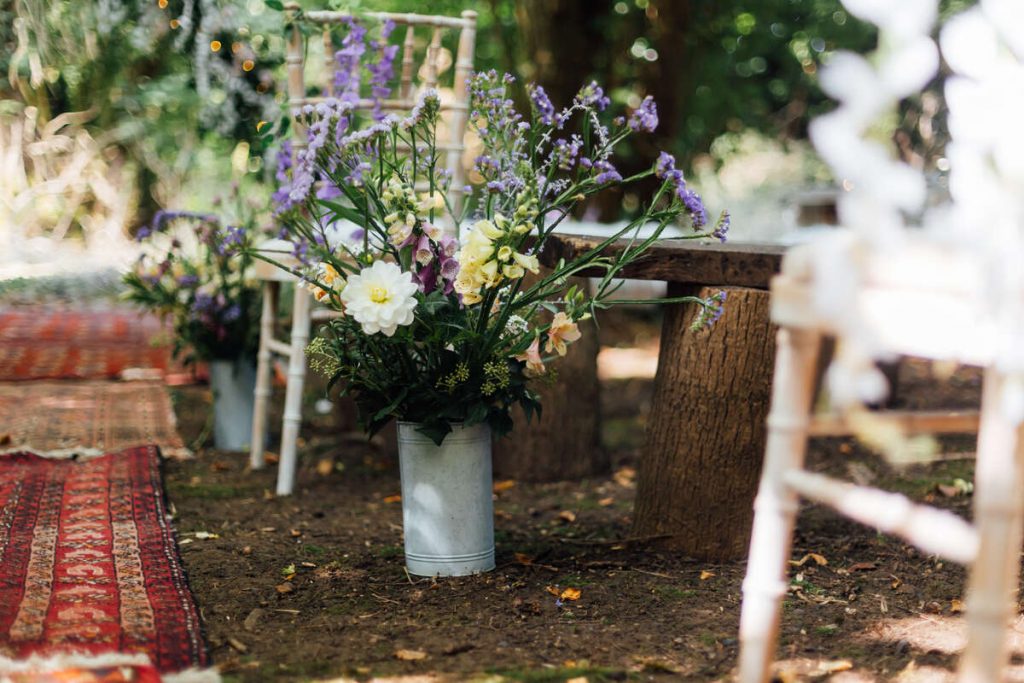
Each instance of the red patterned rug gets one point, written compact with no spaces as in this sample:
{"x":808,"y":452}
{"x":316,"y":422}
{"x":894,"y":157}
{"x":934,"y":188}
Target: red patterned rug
{"x":88,"y":561}
{"x":62,"y":343}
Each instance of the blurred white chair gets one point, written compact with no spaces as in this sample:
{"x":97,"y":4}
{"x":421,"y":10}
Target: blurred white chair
{"x":920,"y":301}
{"x":454,"y":112}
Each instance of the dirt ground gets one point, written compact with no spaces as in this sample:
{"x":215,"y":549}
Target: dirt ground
{"x":313,"y":586}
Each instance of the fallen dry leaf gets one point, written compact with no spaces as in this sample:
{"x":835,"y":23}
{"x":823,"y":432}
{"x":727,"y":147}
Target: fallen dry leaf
{"x":625,"y":477}
{"x":956,"y":606}
{"x":504,"y":485}
{"x":567,"y":516}
{"x":605,"y":502}
{"x":285,"y":587}
{"x":705,"y":574}
{"x":271,"y":458}
{"x":564,"y":593}
{"x":393,"y":499}
{"x":571,"y":594}
{"x":523,"y":558}
{"x":238,"y":645}
{"x":410,"y":655}
{"x":818,"y":560}
{"x":324,"y":466}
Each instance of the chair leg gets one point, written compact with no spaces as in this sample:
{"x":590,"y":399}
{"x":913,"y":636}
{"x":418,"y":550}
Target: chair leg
{"x":776,"y":506}
{"x":264,"y":363}
{"x":999,"y":480}
{"x":293,"y":394}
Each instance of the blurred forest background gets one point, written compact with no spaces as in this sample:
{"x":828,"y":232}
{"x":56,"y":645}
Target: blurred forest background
{"x":111,"y":109}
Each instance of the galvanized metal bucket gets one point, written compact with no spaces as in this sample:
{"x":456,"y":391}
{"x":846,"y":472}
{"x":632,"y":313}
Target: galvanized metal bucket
{"x":447,"y":506}
{"x":233,"y":384}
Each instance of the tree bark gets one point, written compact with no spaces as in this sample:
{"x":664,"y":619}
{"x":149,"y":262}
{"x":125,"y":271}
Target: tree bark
{"x":705,"y":441}
{"x":565,"y":442}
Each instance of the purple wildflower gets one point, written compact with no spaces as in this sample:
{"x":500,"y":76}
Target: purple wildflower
{"x":722,"y":226}
{"x":645,"y":117}
{"x":592,"y":95}
{"x":606,"y":173}
{"x":694,"y":205}
{"x":711,"y":311}
{"x":541,"y":104}
{"x":347,"y":74}
{"x":664,"y":165}
{"x":383,"y":70}
{"x":188,"y":280}
{"x":564,"y":152}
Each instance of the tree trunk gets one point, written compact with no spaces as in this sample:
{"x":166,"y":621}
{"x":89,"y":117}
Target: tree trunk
{"x":705,"y":441}
{"x":565,"y":442}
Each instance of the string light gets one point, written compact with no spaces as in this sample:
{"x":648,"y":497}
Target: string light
{"x":215,"y":46}
{"x":248,"y":65}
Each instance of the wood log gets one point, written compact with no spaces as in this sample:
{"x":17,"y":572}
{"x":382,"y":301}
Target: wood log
{"x":706,"y":436}
{"x":565,"y":442}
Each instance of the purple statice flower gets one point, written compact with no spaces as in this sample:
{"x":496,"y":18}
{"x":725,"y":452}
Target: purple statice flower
{"x":283,"y":174}
{"x":694,"y":205}
{"x":564,"y":152}
{"x":665,"y":167}
{"x":327,"y":190}
{"x":586,"y":164}
{"x":606,"y":173}
{"x":711,"y":311}
{"x":232,"y":313}
{"x":645,"y":117}
{"x":188,"y":280}
{"x":383,"y":70}
{"x":541,"y":104}
{"x":722,"y":226}
{"x":425,"y":109}
{"x":665,"y":164}
{"x":232,"y":239}
{"x":347,"y":73}
{"x":592,"y":96}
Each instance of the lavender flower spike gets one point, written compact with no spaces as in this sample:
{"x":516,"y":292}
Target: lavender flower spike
{"x":606,"y":173}
{"x":722,"y":226}
{"x":541,"y":104}
{"x":645,"y":118}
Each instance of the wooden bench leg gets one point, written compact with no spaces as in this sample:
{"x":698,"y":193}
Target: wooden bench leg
{"x":705,"y":436}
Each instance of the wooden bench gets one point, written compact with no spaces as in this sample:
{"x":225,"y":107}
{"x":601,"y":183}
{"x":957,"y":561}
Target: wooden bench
{"x":706,"y":431}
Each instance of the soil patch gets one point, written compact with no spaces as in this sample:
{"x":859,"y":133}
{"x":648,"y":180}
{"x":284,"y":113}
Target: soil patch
{"x":313,"y":585}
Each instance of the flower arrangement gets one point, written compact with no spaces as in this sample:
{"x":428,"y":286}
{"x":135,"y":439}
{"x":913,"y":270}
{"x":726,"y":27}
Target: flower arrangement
{"x":447,"y":316}
{"x":188,"y":272}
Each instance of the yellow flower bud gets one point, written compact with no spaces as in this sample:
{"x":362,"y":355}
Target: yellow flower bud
{"x":530,"y":263}
{"x":513,"y":271}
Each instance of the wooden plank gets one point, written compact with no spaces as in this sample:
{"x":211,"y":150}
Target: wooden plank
{"x":684,"y":261}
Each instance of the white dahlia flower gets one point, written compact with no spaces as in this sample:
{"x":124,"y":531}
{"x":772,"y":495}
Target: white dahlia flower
{"x":380,"y":298}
